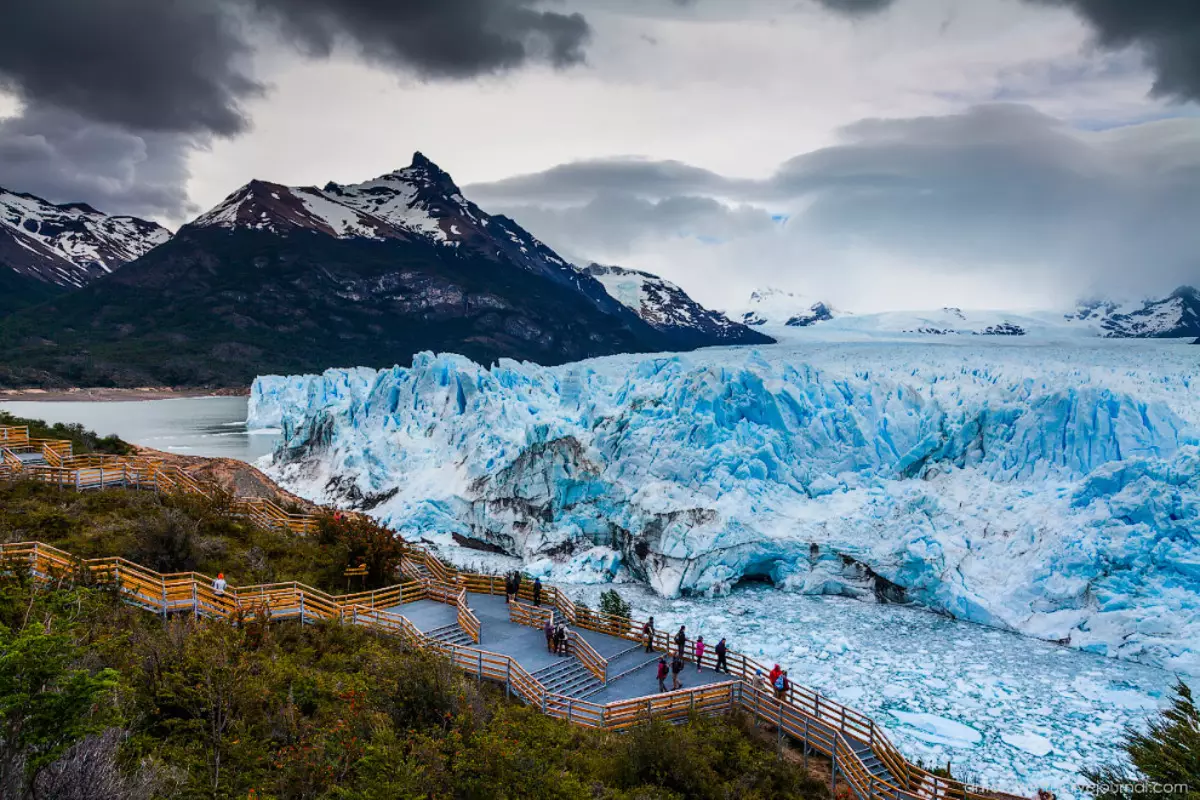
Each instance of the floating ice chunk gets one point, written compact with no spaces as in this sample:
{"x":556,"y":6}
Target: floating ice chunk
{"x":1029,"y":742}
{"x":939,"y":730}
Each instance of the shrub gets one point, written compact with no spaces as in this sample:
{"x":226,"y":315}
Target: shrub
{"x":1168,"y":753}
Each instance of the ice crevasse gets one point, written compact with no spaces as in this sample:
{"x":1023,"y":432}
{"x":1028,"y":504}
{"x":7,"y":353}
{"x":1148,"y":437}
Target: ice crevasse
{"x":1064,"y":505}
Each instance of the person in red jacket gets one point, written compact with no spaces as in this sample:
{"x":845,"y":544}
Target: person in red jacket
{"x":663,"y":670}
{"x":773,"y":675}
{"x":699,"y":651}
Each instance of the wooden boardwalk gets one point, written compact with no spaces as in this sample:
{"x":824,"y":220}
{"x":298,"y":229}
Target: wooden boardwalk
{"x":605,"y":681}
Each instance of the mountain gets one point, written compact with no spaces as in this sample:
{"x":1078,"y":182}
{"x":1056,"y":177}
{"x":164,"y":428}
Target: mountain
{"x":1176,"y":315}
{"x":296,"y":279}
{"x":774,"y":307}
{"x":69,"y":245}
{"x":669,"y":309}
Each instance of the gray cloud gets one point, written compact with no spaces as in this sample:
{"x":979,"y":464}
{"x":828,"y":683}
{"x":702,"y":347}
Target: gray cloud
{"x":64,"y":157}
{"x":1168,"y":30}
{"x":116,"y":93}
{"x":999,"y":190}
{"x":164,"y":65}
{"x":856,"y":6}
{"x":435,"y":38}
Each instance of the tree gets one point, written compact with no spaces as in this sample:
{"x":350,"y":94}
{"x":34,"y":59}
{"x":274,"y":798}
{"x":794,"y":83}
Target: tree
{"x":616,"y":609}
{"x":45,"y":705}
{"x":1168,"y":753}
{"x":363,"y":541}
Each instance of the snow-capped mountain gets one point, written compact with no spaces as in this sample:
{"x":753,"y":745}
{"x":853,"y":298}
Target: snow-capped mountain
{"x":1176,"y":315}
{"x":69,"y":245}
{"x":774,"y":307}
{"x":667,"y":307}
{"x":279,"y":278}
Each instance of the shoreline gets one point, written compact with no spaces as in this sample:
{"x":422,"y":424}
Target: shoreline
{"x":110,"y":395}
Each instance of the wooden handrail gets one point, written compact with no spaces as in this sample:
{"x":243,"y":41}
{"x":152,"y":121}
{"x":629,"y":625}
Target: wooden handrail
{"x":587,"y":655}
{"x":466,"y":619}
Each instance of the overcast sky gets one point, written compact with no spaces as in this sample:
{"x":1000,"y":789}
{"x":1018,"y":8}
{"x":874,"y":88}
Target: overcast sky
{"x":871,"y":153}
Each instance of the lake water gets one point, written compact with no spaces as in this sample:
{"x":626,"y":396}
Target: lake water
{"x":193,"y":426}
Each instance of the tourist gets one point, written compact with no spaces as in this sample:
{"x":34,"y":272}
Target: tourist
{"x":219,"y":584}
{"x":663,"y":670}
{"x":782,"y":685}
{"x":517,"y":585}
{"x":680,"y":641}
{"x":774,"y":674}
{"x":648,"y":634}
{"x":537,"y":591}
{"x":676,"y":668}
{"x":699,"y":651}
{"x":564,"y":639}
{"x":549,"y":631}
{"x":508,"y":588}
{"x":720,"y":650}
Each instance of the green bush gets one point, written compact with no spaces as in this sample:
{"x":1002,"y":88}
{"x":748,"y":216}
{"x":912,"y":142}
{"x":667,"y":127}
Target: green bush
{"x":196,"y":709}
{"x":1167,"y":753}
{"x":82,"y":440}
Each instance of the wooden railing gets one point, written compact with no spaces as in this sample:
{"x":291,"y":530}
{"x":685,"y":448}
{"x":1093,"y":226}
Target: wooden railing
{"x":466,"y":619}
{"x":804,"y":711}
{"x":592,"y":661}
{"x":533,"y":616}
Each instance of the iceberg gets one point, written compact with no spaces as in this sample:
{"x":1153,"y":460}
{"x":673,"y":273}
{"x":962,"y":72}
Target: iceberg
{"x":1004,"y":485}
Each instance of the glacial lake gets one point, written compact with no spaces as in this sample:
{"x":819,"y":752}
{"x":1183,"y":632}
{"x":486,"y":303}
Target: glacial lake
{"x":192,"y":426}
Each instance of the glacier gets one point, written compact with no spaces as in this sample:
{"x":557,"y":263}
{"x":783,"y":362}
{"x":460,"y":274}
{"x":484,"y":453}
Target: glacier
{"x":1051,"y":489}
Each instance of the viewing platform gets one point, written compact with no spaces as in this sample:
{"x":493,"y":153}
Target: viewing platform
{"x":605,"y":680}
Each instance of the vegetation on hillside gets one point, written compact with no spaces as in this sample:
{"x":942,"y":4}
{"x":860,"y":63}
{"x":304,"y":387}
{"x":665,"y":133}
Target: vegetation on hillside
{"x":131,"y":706}
{"x":82,"y":439}
{"x":1162,"y":759}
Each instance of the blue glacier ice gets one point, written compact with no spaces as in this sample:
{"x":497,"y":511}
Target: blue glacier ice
{"x":1050,"y":491}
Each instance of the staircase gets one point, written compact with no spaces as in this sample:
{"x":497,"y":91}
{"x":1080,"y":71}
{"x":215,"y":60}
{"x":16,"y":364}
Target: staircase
{"x":870,"y":761}
{"x":628,"y":661}
{"x":568,"y":677}
{"x":451,"y":634}
{"x":412,"y":568}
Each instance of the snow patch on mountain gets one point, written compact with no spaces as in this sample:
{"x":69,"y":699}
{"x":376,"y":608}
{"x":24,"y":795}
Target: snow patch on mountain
{"x":1002,"y":484}
{"x":1174,"y":316}
{"x":72,"y":243}
{"x":773,"y":308}
{"x":663,"y":304}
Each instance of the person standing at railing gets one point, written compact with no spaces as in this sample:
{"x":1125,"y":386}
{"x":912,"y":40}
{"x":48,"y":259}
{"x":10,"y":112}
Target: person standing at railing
{"x":782,"y":684}
{"x":699,"y":651}
{"x":676,"y":668}
{"x":648,"y":634}
{"x":548,"y":629}
{"x":218,"y":585}
{"x":508,"y":588}
{"x":516,"y":586}
{"x":680,"y":641}
{"x":663,"y":671}
{"x":721,"y":650}
{"x":537,"y":591}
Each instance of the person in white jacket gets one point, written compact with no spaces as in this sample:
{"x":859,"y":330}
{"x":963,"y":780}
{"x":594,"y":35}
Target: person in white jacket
{"x":219,"y":584}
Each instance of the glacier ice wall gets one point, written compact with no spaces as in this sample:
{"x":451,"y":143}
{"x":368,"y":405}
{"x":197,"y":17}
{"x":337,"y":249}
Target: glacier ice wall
{"x":1000,"y":486}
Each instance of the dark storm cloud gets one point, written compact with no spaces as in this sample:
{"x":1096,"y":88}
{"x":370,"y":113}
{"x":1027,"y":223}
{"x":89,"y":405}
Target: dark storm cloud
{"x":164,"y":65}
{"x":1168,"y":30}
{"x":855,"y":6}
{"x":64,"y":157}
{"x":115,"y":94}
{"x":998,"y":188}
{"x":435,"y":38}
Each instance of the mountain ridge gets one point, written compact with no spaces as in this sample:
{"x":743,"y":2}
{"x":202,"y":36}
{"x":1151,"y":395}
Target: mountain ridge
{"x":295,"y":279}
